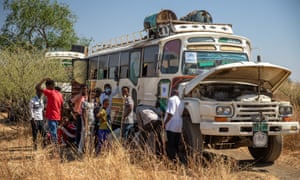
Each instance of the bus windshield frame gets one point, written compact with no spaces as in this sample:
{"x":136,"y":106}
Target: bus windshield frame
{"x":195,"y":62}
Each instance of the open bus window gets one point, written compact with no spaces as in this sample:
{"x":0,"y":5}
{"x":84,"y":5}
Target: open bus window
{"x":105,"y":74}
{"x":149,"y":70}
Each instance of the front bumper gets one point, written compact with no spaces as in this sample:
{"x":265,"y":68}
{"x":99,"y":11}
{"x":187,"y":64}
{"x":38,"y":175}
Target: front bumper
{"x":246,"y":128}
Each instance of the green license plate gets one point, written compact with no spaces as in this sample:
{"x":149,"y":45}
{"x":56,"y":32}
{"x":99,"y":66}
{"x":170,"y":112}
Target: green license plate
{"x":260,"y":126}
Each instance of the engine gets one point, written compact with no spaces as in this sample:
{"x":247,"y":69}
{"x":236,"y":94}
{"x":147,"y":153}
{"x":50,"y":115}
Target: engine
{"x":230,"y":92}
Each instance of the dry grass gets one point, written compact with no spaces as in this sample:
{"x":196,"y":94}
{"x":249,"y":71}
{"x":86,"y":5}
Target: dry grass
{"x":292,"y":142}
{"x":116,"y":163}
{"x":19,"y":161}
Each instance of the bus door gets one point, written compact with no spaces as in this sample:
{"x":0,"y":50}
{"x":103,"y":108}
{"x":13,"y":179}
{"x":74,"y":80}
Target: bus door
{"x":148,"y":81}
{"x":80,"y":68}
{"x":134,"y":73}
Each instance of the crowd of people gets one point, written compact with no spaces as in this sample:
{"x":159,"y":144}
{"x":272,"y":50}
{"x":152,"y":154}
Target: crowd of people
{"x":89,"y":123}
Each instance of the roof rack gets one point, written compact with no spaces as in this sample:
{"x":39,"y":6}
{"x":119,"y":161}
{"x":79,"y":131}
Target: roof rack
{"x":162,"y":30}
{"x":165,"y":23}
{"x":122,"y":40}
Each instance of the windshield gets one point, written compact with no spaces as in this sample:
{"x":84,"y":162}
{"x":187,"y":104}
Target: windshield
{"x":195,"y":62}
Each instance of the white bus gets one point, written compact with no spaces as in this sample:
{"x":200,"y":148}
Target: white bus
{"x":152,"y":63}
{"x":228,"y":99}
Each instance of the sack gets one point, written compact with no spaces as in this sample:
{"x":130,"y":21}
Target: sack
{"x":148,"y":115}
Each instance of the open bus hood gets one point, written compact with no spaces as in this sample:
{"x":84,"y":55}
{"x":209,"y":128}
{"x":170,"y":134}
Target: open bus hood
{"x":264,"y":74}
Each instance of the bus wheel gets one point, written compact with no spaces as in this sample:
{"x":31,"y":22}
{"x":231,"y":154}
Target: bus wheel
{"x":269,"y":154}
{"x":192,"y":137}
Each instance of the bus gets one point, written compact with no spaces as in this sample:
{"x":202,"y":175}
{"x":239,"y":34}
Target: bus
{"x":170,"y":51}
{"x":228,"y":98}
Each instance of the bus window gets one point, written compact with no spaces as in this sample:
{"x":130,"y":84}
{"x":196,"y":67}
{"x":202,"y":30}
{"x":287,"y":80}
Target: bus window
{"x":124,"y":61}
{"x":113,"y":65}
{"x":93,"y":70}
{"x":103,"y":67}
{"x":197,"y":62}
{"x":150,"y":60}
{"x":134,"y":71}
{"x":171,"y":54}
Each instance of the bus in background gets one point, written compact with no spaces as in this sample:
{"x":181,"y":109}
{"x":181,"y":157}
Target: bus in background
{"x":67,"y":58}
{"x":228,"y":99}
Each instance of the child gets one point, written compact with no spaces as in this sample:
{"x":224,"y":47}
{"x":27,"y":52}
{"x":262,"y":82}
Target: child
{"x":103,"y":125}
{"x":66,"y":132}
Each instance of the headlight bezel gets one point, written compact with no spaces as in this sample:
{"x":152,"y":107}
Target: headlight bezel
{"x":224,"y":111}
{"x":285,"y":110}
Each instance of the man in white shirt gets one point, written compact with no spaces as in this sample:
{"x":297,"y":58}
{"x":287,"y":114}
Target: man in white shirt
{"x":173,"y":124}
{"x":149,"y":121}
{"x":36,"y":106}
{"x":127,"y":125}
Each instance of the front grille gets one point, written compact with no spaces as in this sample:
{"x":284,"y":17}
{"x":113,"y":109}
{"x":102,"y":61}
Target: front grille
{"x":248,"y":112}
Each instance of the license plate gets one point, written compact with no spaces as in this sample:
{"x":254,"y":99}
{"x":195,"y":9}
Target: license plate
{"x":260,"y":126}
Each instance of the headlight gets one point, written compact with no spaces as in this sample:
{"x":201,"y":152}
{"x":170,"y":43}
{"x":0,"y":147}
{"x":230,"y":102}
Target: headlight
{"x":285,"y":110}
{"x":223,"y":110}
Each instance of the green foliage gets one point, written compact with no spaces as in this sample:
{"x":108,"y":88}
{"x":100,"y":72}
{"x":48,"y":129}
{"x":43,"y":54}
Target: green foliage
{"x":41,"y":23}
{"x":21,"y":70}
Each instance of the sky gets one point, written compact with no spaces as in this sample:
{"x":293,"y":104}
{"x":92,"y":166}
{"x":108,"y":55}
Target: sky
{"x":272,"y":26}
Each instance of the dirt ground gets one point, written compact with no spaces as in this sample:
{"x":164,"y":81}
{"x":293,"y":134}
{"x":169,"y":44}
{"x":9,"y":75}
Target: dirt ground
{"x":286,"y":167}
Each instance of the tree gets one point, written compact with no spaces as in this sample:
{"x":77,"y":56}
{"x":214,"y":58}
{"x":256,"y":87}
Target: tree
{"x":21,"y":70}
{"x":40,"y":23}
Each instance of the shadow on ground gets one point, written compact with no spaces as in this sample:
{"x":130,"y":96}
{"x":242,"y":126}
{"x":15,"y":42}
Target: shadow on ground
{"x":240,"y":165}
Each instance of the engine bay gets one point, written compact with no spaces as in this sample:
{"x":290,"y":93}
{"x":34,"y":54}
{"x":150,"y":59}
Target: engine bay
{"x":227,"y":91}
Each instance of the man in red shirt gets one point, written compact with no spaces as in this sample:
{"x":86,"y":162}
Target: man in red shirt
{"x":54,"y":106}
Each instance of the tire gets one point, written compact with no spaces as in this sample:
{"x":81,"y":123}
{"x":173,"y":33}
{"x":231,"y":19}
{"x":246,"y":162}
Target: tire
{"x":269,"y":154}
{"x":192,"y":136}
